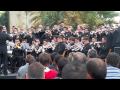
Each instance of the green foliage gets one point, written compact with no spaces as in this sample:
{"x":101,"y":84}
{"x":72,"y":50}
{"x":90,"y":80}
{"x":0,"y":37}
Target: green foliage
{"x":4,"y":19}
{"x":47,"y":17}
{"x":92,"y":18}
{"x":51,"y":17}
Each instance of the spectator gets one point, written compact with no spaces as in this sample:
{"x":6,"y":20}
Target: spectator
{"x":45,"y":60}
{"x":61,"y":63}
{"x":53,"y":58}
{"x":60,"y":48}
{"x":54,"y":65}
{"x":77,"y":56}
{"x":23,"y":69}
{"x":112,"y":61}
{"x":74,"y":70}
{"x":92,"y":53}
{"x":96,"y":68}
{"x":53,"y":55}
{"x":35,"y":71}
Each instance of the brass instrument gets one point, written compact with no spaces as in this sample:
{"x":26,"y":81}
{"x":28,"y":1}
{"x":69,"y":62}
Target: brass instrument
{"x":18,"y":45}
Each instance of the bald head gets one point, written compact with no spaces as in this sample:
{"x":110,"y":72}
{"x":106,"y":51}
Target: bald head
{"x":96,"y":68}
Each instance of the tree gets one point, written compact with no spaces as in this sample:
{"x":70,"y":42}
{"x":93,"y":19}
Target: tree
{"x":4,"y":17}
{"x":107,"y":16}
{"x":72,"y":18}
{"x":96,"y":18}
{"x":47,"y":17}
{"x":92,"y":18}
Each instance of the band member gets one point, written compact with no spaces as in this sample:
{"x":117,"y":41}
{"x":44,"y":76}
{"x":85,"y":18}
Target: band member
{"x":94,"y":43}
{"x":46,"y":35}
{"x":29,"y":38}
{"x":37,"y":48}
{"x":115,"y":39}
{"x":78,"y":44}
{"x":3,"y":50}
{"x":54,"y":42}
{"x":59,"y":39}
{"x":47,"y":46}
{"x":17,"y":44}
{"x":70,"y":43}
{"x":25,"y":45}
{"x":103,"y":48}
{"x":68,"y":31}
{"x":87,"y":45}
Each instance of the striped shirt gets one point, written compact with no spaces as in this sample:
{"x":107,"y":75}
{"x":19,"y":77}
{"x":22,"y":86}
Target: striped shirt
{"x":113,"y":73}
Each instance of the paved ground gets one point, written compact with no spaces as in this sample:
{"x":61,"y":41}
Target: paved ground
{"x":9,"y":76}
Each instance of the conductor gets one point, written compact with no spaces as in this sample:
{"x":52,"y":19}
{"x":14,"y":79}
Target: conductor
{"x":3,"y":51}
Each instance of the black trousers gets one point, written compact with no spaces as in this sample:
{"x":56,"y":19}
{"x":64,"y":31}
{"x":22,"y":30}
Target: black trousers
{"x":3,"y":60}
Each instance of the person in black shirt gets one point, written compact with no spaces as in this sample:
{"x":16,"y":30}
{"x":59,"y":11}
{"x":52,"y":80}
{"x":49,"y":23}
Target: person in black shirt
{"x":103,"y":48}
{"x":3,"y":50}
{"x":98,"y":36}
{"x":87,"y":45}
{"x":29,"y":38}
{"x":115,"y":39}
{"x":93,"y":43}
{"x":47,"y":35}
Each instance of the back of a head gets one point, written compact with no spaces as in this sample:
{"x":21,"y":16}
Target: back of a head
{"x":92,"y":53}
{"x":61,"y":63}
{"x":44,"y":59}
{"x":74,"y":70}
{"x":113,"y":59}
{"x":57,"y":58}
{"x":30,"y":59}
{"x":53,"y":55}
{"x":36,"y":71}
{"x":60,"y":48}
{"x":77,"y":56}
{"x":97,"y":68}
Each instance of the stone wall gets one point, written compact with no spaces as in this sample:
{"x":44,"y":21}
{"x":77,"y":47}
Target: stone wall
{"x":17,"y":18}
